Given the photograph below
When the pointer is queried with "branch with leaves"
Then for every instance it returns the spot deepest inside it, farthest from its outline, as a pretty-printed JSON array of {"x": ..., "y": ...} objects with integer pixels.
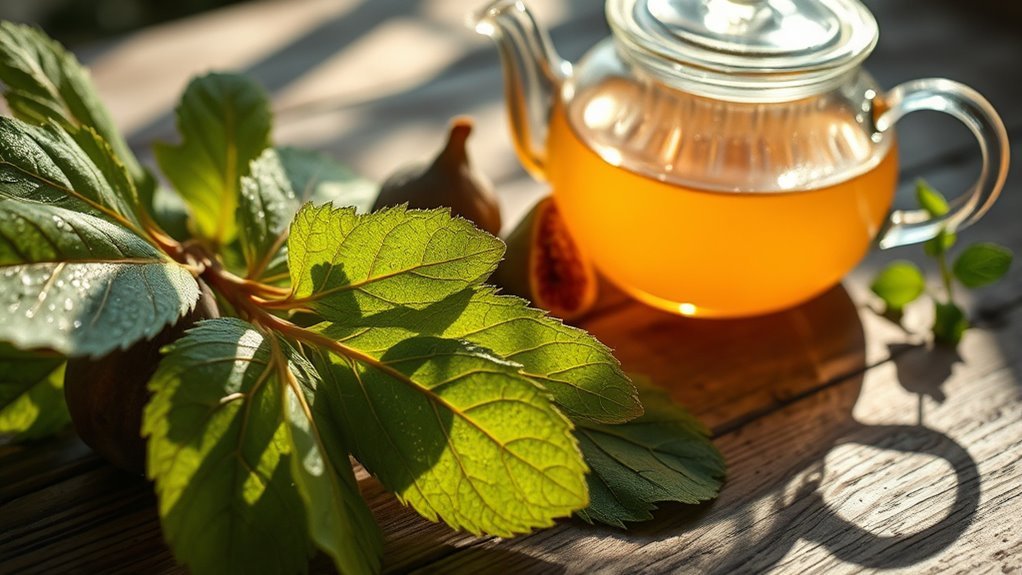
[
  {"x": 323, "y": 332},
  {"x": 978, "y": 265}
]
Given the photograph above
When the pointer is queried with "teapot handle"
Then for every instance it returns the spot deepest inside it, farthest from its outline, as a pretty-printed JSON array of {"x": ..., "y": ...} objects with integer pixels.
[{"x": 962, "y": 102}]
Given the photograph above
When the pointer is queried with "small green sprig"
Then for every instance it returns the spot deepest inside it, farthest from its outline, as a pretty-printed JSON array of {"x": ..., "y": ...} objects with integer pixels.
[{"x": 978, "y": 265}]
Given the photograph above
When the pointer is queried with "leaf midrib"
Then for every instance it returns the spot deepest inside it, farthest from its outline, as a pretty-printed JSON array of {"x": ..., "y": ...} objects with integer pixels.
[
  {"x": 73, "y": 193},
  {"x": 373, "y": 279}
]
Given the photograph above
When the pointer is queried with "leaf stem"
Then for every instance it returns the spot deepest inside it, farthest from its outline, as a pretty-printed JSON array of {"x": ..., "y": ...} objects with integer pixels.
[
  {"x": 249, "y": 298},
  {"x": 945, "y": 274},
  {"x": 257, "y": 270}
]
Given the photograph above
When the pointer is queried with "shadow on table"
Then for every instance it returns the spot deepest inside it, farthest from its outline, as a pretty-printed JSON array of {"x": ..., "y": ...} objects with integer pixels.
[{"x": 736, "y": 372}]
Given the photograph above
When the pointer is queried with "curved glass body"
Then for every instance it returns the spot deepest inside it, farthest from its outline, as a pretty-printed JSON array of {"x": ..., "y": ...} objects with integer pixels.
[
  {"x": 712, "y": 207},
  {"x": 728, "y": 157}
]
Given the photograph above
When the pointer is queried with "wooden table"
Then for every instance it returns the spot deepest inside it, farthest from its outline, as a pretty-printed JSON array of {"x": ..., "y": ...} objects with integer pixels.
[{"x": 850, "y": 444}]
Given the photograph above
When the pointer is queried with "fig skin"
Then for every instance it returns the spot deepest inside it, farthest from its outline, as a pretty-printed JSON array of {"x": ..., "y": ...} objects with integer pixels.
[
  {"x": 544, "y": 265},
  {"x": 106, "y": 396},
  {"x": 450, "y": 181}
]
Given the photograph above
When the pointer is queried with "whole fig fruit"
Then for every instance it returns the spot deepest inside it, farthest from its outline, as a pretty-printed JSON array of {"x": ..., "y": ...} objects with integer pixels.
[
  {"x": 106, "y": 396},
  {"x": 450, "y": 181},
  {"x": 544, "y": 265}
]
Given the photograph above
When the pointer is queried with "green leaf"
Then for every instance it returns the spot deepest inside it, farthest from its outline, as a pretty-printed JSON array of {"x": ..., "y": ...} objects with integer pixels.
[
  {"x": 949, "y": 323},
  {"x": 982, "y": 264},
  {"x": 899, "y": 284},
  {"x": 265, "y": 210},
  {"x": 454, "y": 431},
  {"x": 665, "y": 455},
  {"x": 940, "y": 244},
  {"x": 224, "y": 120},
  {"x": 44, "y": 82},
  {"x": 344, "y": 264},
  {"x": 580, "y": 373},
  {"x": 318, "y": 179},
  {"x": 219, "y": 452},
  {"x": 81, "y": 286},
  {"x": 45, "y": 164},
  {"x": 31, "y": 395},
  {"x": 113, "y": 170},
  {"x": 931, "y": 200},
  {"x": 339, "y": 520}
]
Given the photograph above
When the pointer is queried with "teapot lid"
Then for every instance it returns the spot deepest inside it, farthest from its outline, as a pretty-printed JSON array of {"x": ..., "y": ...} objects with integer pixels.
[{"x": 738, "y": 48}]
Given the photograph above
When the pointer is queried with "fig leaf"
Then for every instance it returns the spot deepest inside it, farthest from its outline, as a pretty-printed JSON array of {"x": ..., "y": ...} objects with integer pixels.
[
  {"x": 228, "y": 444},
  {"x": 581, "y": 374},
  {"x": 80, "y": 285},
  {"x": 664, "y": 455},
  {"x": 43, "y": 82},
  {"x": 224, "y": 121},
  {"x": 455, "y": 431},
  {"x": 345, "y": 264}
]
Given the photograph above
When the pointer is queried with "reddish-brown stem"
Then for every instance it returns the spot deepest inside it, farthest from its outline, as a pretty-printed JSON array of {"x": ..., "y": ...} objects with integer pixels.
[{"x": 247, "y": 297}]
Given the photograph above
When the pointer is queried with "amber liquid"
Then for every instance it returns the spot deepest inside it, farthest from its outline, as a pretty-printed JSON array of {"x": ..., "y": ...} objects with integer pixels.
[{"x": 712, "y": 253}]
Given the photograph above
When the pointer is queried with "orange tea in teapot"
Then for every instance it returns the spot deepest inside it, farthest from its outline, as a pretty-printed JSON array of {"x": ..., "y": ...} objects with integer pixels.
[
  {"x": 711, "y": 252},
  {"x": 725, "y": 158}
]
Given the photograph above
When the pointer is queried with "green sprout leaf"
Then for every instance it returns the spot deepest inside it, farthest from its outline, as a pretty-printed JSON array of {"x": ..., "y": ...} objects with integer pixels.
[
  {"x": 934, "y": 203},
  {"x": 949, "y": 323},
  {"x": 982, "y": 264},
  {"x": 224, "y": 120},
  {"x": 44, "y": 82},
  {"x": 940, "y": 244},
  {"x": 455, "y": 431},
  {"x": 31, "y": 395},
  {"x": 665, "y": 455},
  {"x": 931, "y": 200},
  {"x": 345, "y": 264},
  {"x": 580, "y": 373},
  {"x": 225, "y": 427},
  {"x": 899, "y": 284}
]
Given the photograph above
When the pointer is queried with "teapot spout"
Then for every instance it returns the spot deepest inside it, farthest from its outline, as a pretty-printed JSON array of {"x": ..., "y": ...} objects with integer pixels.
[{"x": 533, "y": 74}]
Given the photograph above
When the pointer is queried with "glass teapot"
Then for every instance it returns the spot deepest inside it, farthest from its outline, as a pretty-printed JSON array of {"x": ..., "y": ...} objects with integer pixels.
[{"x": 724, "y": 158}]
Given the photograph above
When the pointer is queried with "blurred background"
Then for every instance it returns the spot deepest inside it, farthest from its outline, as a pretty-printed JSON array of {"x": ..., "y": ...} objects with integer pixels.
[{"x": 76, "y": 21}]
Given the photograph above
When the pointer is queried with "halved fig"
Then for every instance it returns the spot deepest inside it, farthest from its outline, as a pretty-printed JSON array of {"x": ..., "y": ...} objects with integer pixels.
[{"x": 544, "y": 265}]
